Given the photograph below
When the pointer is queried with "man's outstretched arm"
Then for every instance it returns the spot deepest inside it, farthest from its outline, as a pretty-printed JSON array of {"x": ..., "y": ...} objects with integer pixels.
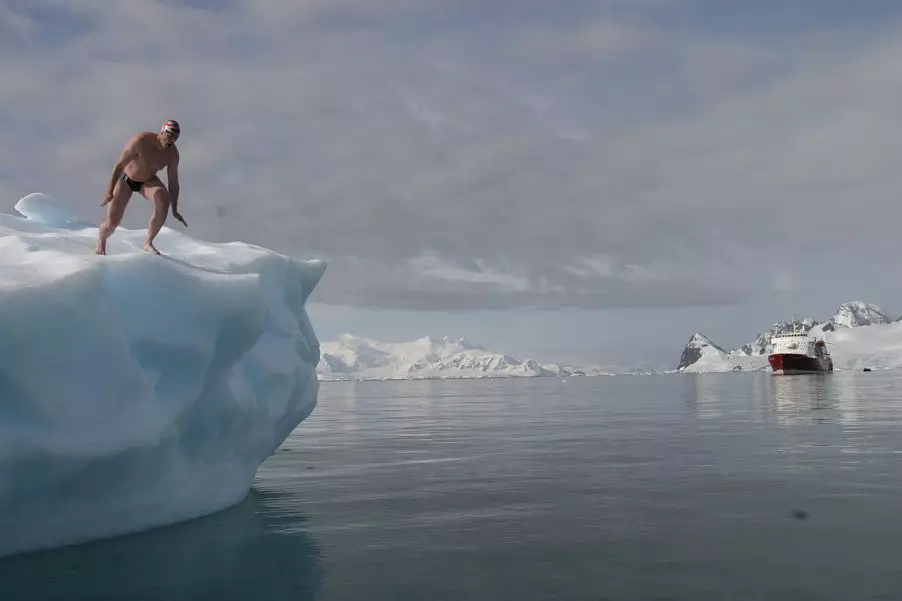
[{"x": 172, "y": 177}]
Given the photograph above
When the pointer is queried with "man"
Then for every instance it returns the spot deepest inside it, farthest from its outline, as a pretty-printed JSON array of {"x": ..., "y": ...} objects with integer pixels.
[{"x": 136, "y": 171}]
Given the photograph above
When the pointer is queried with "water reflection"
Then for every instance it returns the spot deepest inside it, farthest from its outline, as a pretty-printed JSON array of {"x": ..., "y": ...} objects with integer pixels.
[
  {"x": 853, "y": 400},
  {"x": 805, "y": 398},
  {"x": 251, "y": 551},
  {"x": 718, "y": 395},
  {"x": 703, "y": 395}
]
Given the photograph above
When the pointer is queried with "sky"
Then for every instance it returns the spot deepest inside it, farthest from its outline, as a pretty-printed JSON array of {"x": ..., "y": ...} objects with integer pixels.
[{"x": 569, "y": 179}]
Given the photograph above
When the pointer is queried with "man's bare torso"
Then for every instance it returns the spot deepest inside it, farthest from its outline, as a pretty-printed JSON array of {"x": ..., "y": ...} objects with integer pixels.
[{"x": 150, "y": 157}]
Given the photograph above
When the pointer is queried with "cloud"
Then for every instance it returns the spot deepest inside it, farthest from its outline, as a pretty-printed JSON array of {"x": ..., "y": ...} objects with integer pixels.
[
  {"x": 595, "y": 41},
  {"x": 783, "y": 283},
  {"x": 509, "y": 143}
]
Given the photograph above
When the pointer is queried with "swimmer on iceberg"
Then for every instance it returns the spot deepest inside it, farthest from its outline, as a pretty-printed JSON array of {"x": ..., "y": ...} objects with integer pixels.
[{"x": 144, "y": 155}]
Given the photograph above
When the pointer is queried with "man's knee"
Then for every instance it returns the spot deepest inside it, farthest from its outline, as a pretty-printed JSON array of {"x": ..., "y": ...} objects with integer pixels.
[
  {"x": 161, "y": 199},
  {"x": 113, "y": 219}
]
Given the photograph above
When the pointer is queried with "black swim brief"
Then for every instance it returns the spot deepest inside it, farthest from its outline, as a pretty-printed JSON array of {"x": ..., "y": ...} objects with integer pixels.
[{"x": 133, "y": 185}]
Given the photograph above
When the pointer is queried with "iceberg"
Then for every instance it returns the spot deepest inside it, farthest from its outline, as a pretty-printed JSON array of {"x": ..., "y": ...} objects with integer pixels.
[{"x": 138, "y": 390}]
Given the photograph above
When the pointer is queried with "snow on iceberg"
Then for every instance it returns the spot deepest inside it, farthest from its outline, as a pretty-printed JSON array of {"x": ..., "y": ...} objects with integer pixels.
[{"x": 140, "y": 390}]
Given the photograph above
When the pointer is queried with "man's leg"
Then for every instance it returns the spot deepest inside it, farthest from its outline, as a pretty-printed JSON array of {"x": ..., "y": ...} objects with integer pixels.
[
  {"x": 155, "y": 191},
  {"x": 114, "y": 212}
]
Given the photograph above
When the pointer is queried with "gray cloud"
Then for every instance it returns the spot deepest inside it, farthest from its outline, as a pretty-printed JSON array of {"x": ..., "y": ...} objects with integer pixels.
[{"x": 439, "y": 162}]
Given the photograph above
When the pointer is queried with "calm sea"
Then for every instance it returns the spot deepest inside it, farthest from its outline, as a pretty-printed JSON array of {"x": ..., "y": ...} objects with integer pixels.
[{"x": 732, "y": 486}]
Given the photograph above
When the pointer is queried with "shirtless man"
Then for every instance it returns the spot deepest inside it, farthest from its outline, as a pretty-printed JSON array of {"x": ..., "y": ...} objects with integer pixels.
[{"x": 136, "y": 171}]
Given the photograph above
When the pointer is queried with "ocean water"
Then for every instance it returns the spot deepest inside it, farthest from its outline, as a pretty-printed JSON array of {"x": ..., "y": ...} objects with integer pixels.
[{"x": 717, "y": 486}]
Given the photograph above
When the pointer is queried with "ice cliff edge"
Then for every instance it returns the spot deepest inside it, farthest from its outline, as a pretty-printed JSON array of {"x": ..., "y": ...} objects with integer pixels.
[{"x": 139, "y": 390}]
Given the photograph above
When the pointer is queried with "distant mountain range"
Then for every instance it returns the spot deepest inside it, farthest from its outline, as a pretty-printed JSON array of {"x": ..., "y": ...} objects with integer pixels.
[
  {"x": 859, "y": 334},
  {"x": 355, "y": 358}
]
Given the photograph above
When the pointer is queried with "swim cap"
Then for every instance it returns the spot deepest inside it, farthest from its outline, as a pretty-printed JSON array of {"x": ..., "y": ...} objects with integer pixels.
[{"x": 172, "y": 126}]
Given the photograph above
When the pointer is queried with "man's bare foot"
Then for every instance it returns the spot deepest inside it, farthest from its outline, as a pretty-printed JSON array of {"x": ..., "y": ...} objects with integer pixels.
[
  {"x": 101, "y": 248},
  {"x": 150, "y": 248}
]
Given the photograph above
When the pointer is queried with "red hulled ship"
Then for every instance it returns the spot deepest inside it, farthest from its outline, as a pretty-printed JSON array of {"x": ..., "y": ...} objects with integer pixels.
[{"x": 798, "y": 354}]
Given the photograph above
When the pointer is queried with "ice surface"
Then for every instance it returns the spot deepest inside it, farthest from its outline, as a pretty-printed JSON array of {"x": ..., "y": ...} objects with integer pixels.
[{"x": 140, "y": 390}]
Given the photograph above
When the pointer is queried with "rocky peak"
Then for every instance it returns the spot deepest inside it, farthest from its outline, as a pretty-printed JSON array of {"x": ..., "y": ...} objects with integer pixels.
[
  {"x": 856, "y": 314},
  {"x": 694, "y": 349}
]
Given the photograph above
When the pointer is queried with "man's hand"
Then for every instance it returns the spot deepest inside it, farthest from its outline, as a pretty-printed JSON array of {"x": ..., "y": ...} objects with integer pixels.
[
  {"x": 107, "y": 199},
  {"x": 178, "y": 216}
]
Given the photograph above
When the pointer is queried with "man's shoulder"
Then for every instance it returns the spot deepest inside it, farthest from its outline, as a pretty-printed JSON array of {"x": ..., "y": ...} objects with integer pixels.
[{"x": 142, "y": 137}]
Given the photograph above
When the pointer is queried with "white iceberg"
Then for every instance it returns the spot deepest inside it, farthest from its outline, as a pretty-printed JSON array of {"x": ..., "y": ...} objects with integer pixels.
[{"x": 140, "y": 390}]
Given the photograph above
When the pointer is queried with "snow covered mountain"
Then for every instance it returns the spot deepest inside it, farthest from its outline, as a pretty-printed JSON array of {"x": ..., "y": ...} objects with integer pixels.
[
  {"x": 857, "y": 314},
  {"x": 762, "y": 340},
  {"x": 859, "y": 335},
  {"x": 700, "y": 348},
  {"x": 355, "y": 358},
  {"x": 700, "y": 355},
  {"x": 849, "y": 315}
]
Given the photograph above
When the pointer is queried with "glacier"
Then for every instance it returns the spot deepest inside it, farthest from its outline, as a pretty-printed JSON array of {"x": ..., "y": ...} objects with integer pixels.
[{"x": 138, "y": 390}]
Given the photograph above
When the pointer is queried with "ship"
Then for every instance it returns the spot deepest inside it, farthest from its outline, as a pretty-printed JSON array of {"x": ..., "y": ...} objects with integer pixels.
[{"x": 797, "y": 353}]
